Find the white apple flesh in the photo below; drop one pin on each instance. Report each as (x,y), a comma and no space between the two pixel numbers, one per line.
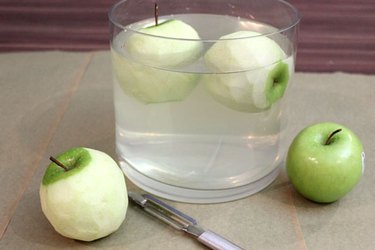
(243,50)
(150,85)
(323,166)
(87,202)
(156,54)
(170,43)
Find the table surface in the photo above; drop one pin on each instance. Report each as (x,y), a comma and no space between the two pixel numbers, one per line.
(49,103)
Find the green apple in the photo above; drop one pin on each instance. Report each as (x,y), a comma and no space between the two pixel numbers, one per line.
(251,71)
(171,43)
(83,194)
(325,161)
(148,66)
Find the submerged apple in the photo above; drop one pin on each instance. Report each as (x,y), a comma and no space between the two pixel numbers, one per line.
(83,194)
(149,63)
(251,71)
(325,162)
(151,73)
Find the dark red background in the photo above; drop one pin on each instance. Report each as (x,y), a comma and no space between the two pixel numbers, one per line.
(335,35)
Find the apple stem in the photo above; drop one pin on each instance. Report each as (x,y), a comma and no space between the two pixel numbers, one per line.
(156,14)
(328,141)
(58,163)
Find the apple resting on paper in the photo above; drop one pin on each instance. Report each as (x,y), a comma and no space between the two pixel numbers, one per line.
(325,161)
(260,71)
(86,197)
(156,54)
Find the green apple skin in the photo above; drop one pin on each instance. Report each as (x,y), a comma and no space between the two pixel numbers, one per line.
(271,83)
(325,173)
(257,61)
(171,43)
(87,202)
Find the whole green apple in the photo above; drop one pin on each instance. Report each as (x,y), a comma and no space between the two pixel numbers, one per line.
(83,194)
(325,162)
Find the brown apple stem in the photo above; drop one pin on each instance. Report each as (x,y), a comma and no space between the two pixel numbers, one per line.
(58,163)
(328,141)
(156,14)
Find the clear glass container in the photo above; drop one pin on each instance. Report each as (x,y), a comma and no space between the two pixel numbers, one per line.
(200,97)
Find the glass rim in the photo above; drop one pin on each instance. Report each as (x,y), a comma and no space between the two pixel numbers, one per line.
(295,20)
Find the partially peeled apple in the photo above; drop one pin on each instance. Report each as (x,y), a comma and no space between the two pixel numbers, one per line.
(250,71)
(83,194)
(156,53)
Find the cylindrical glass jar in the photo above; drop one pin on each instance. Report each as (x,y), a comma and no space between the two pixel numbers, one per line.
(200,97)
